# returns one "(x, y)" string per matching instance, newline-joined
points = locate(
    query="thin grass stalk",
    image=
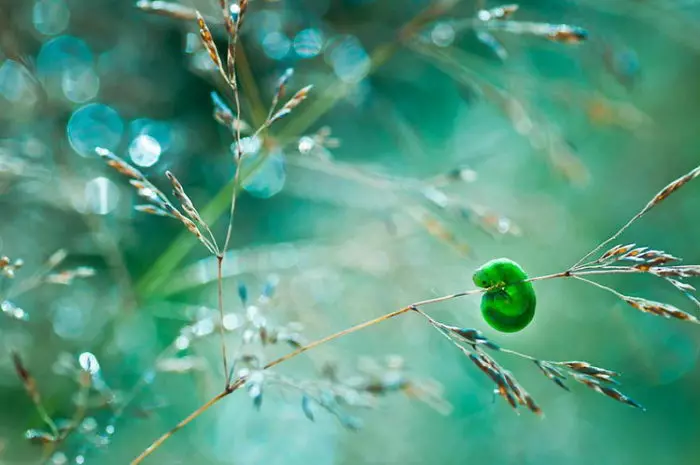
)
(239, 382)
(222, 333)
(662, 195)
(177, 251)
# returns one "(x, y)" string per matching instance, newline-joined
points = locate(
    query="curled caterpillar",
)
(511, 306)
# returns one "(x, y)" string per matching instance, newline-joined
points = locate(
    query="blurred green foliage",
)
(559, 143)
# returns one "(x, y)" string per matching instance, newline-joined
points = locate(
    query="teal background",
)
(345, 247)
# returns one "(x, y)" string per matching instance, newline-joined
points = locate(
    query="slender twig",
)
(222, 334)
(203, 408)
(657, 199)
(158, 272)
(239, 382)
(600, 286)
(609, 240)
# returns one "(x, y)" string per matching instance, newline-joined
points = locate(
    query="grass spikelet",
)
(608, 391)
(292, 103)
(471, 336)
(224, 115)
(680, 271)
(643, 256)
(191, 211)
(567, 34)
(659, 309)
(670, 189)
(66, 277)
(280, 89)
(524, 398)
(491, 369)
(30, 386)
(36, 436)
(552, 373)
(120, 165)
(662, 195)
(8, 267)
(586, 368)
(187, 205)
(208, 42)
(497, 13)
(153, 210)
(162, 206)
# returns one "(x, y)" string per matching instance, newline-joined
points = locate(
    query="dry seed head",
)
(644, 256)
(242, 9)
(184, 199)
(616, 251)
(567, 34)
(282, 83)
(148, 191)
(498, 13)
(8, 267)
(152, 210)
(606, 390)
(524, 398)
(292, 103)
(26, 377)
(552, 373)
(684, 287)
(670, 189)
(681, 271)
(39, 437)
(472, 336)
(56, 258)
(659, 309)
(118, 164)
(588, 369)
(66, 277)
(208, 42)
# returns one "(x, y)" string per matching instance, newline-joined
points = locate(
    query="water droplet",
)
(89, 424)
(442, 35)
(203, 327)
(231, 321)
(65, 65)
(88, 362)
(161, 131)
(94, 125)
(16, 83)
(308, 43)
(269, 176)
(144, 150)
(50, 17)
(503, 225)
(101, 197)
(80, 84)
(182, 342)
(249, 146)
(59, 458)
(306, 144)
(276, 45)
(349, 59)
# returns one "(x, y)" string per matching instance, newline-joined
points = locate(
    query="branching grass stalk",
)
(176, 252)
(239, 382)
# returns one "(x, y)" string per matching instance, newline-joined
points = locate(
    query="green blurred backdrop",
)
(558, 144)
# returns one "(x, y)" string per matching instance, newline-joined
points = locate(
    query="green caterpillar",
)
(510, 307)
